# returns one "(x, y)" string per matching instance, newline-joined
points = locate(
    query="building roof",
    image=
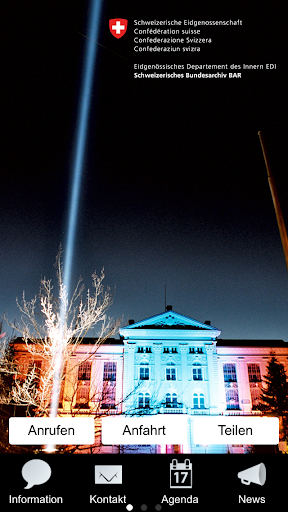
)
(170, 320)
(169, 325)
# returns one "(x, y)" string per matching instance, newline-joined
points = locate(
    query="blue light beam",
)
(81, 136)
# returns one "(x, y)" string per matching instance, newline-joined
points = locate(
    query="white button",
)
(51, 430)
(236, 430)
(158, 429)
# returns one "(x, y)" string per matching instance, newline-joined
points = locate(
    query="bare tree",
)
(99, 405)
(52, 327)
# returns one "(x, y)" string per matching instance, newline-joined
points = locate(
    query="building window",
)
(198, 401)
(232, 399)
(144, 401)
(141, 350)
(231, 386)
(84, 371)
(83, 385)
(62, 387)
(108, 395)
(109, 386)
(82, 397)
(193, 350)
(254, 380)
(255, 396)
(109, 371)
(197, 373)
(202, 405)
(144, 371)
(229, 372)
(35, 367)
(170, 372)
(171, 400)
(254, 373)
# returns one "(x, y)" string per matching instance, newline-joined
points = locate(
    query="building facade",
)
(166, 364)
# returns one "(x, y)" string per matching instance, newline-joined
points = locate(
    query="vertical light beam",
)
(81, 135)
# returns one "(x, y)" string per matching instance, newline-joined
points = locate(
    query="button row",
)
(158, 429)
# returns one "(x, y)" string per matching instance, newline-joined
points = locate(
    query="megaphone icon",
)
(256, 474)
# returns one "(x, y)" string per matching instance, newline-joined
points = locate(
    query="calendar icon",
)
(180, 474)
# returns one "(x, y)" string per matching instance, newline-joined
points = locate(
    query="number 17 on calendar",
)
(180, 474)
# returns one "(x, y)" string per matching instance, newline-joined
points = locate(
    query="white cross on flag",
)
(118, 27)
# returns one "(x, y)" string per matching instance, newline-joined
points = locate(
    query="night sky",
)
(174, 190)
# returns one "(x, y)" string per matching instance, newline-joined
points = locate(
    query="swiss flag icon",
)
(118, 27)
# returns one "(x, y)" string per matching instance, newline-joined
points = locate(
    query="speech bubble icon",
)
(36, 472)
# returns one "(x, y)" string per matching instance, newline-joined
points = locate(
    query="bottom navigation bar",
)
(144, 482)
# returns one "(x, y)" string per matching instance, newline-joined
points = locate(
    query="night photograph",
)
(144, 254)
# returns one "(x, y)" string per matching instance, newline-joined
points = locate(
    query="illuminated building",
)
(168, 363)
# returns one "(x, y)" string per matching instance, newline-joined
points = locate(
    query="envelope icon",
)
(108, 474)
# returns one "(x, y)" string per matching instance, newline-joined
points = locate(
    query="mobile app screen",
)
(143, 276)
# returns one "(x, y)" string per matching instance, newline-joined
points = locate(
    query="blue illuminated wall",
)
(177, 365)
(174, 359)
